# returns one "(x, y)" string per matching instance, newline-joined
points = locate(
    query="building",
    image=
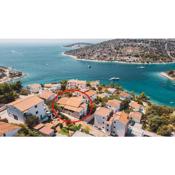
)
(114, 105)
(7, 129)
(74, 106)
(124, 95)
(92, 94)
(103, 95)
(34, 88)
(47, 95)
(112, 90)
(52, 86)
(136, 106)
(47, 131)
(101, 115)
(22, 108)
(95, 84)
(135, 116)
(119, 124)
(136, 130)
(76, 84)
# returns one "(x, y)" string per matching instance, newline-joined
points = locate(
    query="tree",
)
(63, 84)
(31, 121)
(165, 130)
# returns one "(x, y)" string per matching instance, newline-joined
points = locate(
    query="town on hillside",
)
(28, 111)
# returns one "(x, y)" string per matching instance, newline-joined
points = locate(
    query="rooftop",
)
(121, 116)
(124, 94)
(7, 127)
(114, 103)
(45, 94)
(26, 103)
(91, 93)
(134, 104)
(135, 115)
(46, 130)
(34, 86)
(102, 111)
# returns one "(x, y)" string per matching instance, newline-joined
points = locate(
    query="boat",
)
(114, 78)
(141, 67)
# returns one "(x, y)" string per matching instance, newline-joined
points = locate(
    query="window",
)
(15, 117)
(107, 129)
(36, 112)
(35, 106)
(103, 122)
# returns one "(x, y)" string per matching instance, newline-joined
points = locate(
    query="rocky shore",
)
(169, 74)
(7, 74)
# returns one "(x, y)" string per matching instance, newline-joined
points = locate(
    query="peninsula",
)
(78, 45)
(7, 74)
(169, 74)
(144, 51)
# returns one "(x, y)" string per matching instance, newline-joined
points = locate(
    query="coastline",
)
(7, 71)
(119, 62)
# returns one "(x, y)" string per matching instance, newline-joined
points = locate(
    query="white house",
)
(135, 116)
(7, 129)
(119, 124)
(52, 86)
(92, 94)
(124, 95)
(101, 116)
(136, 106)
(74, 106)
(74, 84)
(23, 108)
(112, 90)
(114, 105)
(47, 95)
(34, 88)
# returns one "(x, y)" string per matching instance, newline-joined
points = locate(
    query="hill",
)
(129, 50)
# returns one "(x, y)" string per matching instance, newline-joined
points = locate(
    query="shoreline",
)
(119, 62)
(7, 78)
(164, 74)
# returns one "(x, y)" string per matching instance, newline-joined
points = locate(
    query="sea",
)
(44, 62)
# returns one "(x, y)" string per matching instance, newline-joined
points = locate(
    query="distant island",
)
(169, 74)
(78, 45)
(7, 74)
(144, 51)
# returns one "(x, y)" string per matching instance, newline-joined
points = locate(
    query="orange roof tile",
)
(114, 103)
(26, 103)
(39, 126)
(121, 116)
(46, 94)
(7, 127)
(102, 111)
(135, 115)
(124, 94)
(46, 130)
(91, 93)
(134, 104)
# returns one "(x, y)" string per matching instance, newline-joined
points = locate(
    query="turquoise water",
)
(45, 63)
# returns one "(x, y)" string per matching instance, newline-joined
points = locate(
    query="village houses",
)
(74, 106)
(34, 88)
(114, 105)
(22, 108)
